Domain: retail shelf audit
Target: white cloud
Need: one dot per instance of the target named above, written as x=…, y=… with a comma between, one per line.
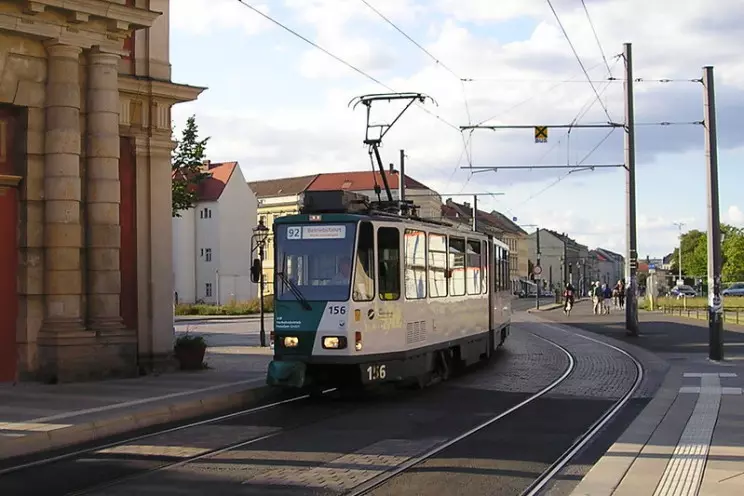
x=671, y=39
x=205, y=16
x=735, y=215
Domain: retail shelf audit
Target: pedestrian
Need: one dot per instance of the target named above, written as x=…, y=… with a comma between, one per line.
x=607, y=296
x=621, y=293
x=597, y=296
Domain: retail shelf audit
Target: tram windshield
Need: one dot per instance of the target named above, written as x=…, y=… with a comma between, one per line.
x=316, y=259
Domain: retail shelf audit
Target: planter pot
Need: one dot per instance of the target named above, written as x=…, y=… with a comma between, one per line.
x=191, y=358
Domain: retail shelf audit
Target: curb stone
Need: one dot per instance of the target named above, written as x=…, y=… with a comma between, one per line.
x=38, y=442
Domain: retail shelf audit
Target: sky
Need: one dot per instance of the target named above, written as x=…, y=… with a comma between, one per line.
x=280, y=108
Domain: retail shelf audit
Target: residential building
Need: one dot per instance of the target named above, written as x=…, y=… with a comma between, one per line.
x=561, y=258
x=608, y=267
x=280, y=197
x=427, y=200
x=212, y=241
x=277, y=198
x=500, y=227
x=85, y=215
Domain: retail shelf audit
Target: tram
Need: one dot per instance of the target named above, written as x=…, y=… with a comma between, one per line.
x=365, y=295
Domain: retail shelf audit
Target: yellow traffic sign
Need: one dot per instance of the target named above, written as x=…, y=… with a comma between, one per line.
x=541, y=134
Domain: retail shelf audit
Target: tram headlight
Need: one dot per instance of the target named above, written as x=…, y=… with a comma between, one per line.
x=334, y=342
x=291, y=342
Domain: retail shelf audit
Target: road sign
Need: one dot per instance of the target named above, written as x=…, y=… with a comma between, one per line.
x=716, y=305
x=541, y=134
x=537, y=270
x=652, y=266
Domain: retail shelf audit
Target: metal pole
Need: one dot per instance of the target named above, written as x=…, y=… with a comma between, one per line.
x=402, y=181
x=261, y=294
x=715, y=303
x=631, y=309
x=538, y=278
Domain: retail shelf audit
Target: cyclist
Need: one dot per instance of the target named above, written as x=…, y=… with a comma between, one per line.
x=568, y=296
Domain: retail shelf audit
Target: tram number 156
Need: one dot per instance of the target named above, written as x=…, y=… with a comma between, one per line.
x=376, y=372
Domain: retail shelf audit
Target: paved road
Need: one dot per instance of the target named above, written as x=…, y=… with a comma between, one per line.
x=330, y=446
x=659, y=333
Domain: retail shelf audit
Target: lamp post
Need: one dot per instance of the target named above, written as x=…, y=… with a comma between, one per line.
x=260, y=233
x=679, y=225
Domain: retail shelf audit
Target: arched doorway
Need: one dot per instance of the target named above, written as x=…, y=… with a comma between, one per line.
x=9, y=223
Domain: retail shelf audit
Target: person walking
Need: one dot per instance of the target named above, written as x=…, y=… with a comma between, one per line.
x=597, y=297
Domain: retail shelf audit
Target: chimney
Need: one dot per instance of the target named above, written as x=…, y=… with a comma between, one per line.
x=466, y=205
x=207, y=164
x=392, y=168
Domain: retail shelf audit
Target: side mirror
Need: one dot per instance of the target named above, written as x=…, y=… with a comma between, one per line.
x=256, y=270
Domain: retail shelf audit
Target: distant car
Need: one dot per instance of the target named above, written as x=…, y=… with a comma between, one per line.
x=684, y=290
x=736, y=289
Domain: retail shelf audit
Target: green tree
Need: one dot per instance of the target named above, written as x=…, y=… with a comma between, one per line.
x=695, y=254
x=733, y=254
x=187, y=167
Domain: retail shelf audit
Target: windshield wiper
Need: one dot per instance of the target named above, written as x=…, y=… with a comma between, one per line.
x=292, y=286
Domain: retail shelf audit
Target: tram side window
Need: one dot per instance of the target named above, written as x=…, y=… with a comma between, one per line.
x=505, y=268
x=364, y=270
x=388, y=254
x=484, y=268
x=495, y=261
x=457, y=266
x=415, y=267
x=437, y=265
x=474, y=269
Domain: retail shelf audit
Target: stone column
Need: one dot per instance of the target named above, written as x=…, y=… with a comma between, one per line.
x=103, y=192
x=63, y=241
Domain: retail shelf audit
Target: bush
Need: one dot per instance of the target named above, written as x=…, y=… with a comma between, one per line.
x=190, y=341
x=234, y=308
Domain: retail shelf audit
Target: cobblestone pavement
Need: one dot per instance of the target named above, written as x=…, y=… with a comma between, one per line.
x=329, y=446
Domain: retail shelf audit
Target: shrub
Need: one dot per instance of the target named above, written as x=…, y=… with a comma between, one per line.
x=250, y=307
x=190, y=341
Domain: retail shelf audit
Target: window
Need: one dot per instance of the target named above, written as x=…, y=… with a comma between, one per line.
x=484, y=274
x=205, y=213
x=437, y=265
x=201, y=253
x=364, y=272
x=457, y=266
x=208, y=290
x=415, y=267
x=474, y=269
x=208, y=255
x=388, y=253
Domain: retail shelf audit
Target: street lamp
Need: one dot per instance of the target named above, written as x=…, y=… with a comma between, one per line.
x=258, y=242
x=679, y=225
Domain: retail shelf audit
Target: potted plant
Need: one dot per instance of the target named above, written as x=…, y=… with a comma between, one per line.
x=189, y=350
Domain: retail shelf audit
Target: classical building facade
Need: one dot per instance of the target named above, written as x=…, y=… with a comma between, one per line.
x=85, y=214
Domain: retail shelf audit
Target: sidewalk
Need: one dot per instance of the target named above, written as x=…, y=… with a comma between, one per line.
x=37, y=417
x=689, y=439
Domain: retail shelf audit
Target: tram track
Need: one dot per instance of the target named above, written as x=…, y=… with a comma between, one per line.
x=546, y=477
x=369, y=484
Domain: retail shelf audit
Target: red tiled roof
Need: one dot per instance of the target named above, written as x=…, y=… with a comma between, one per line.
x=219, y=174
x=359, y=181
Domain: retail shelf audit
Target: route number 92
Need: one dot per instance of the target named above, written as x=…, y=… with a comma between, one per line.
x=376, y=372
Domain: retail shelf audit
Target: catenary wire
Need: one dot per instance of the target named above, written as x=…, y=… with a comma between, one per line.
x=338, y=59
x=576, y=54
x=596, y=37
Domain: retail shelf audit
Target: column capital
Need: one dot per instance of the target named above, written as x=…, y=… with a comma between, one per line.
x=104, y=55
x=56, y=48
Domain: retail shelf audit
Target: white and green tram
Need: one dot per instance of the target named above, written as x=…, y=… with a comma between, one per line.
x=364, y=297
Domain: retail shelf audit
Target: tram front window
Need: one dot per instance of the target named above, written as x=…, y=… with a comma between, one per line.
x=317, y=259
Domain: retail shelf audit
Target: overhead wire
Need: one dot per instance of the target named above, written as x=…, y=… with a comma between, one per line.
x=338, y=59
x=576, y=54
x=596, y=37
x=437, y=61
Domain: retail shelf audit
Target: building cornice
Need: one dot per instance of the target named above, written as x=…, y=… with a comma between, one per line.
x=121, y=17
x=165, y=91
x=7, y=181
